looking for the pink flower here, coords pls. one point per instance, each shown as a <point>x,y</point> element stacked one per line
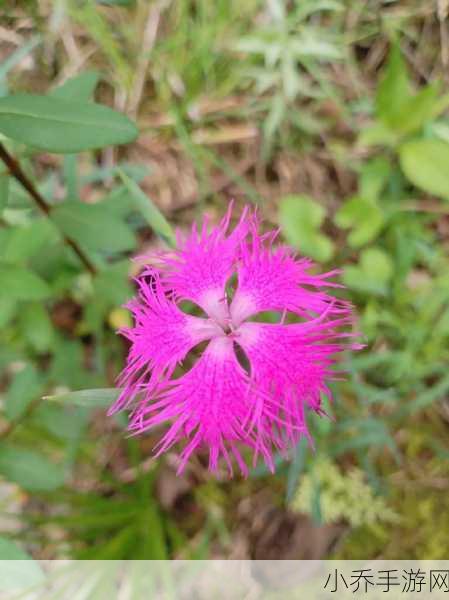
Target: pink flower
<point>220,404</point>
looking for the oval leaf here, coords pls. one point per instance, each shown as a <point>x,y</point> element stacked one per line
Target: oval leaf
<point>426,165</point>
<point>300,218</point>
<point>62,126</point>
<point>80,88</point>
<point>94,226</point>
<point>30,470</point>
<point>20,284</point>
<point>25,387</point>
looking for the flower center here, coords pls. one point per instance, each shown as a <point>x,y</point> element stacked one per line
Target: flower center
<point>227,316</point>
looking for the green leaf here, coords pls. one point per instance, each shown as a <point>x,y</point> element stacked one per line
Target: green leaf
<point>377,135</point>
<point>25,241</point>
<point>104,174</point>
<point>25,387</point>
<point>36,326</point>
<point>62,126</point>
<point>315,505</point>
<point>373,273</point>
<point>64,422</point>
<point>29,469</point>
<point>373,177</point>
<point>8,308</point>
<point>394,88</point>
<point>152,214</point>
<point>273,120</point>
<point>112,284</point>
<point>80,88</point>
<point>17,569</point>
<point>119,202</point>
<point>296,468</point>
<point>300,218</point>
<point>440,129</point>
<point>363,216</point>
<point>313,47</point>
<point>426,165</point>
<point>98,398</point>
<point>397,107</point>
<point>415,112</point>
<point>93,226</point>
<point>68,365</point>
<point>20,284</point>
<point>440,105</point>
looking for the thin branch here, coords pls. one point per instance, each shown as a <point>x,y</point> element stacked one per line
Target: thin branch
<point>16,171</point>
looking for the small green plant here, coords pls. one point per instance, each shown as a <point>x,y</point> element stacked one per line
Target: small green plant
<point>291,51</point>
<point>342,497</point>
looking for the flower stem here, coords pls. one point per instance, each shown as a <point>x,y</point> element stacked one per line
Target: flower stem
<point>16,171</point>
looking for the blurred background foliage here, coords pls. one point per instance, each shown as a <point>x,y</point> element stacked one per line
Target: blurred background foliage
<point>333,117</point>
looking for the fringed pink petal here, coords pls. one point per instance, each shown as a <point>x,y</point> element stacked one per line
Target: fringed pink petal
<point>203,262</point>
<point>207,408</point>
<point>161,337</point>
<point>272,278</point>
<point>290,368</point>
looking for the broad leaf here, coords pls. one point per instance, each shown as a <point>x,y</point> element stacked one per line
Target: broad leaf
<point>25,241</point>
<point>21,284</point>
<point>93,226</point>
<point>440,129</point>
<point>394,88</point>
<point>8,308</point>
<point>29,469</point>
<point>36,326</point>
<point>79,88</point>
<point>62,126</point>
<point>415,112</point>
<point>25,387</point>
<point>112,285</point>
<point>378,135</point>
<point>426,165</point>
<point>300,218</point>
<point>374,271</point>
<point>374,175</point>
<point>65,422</point>
<point>363,216</point>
